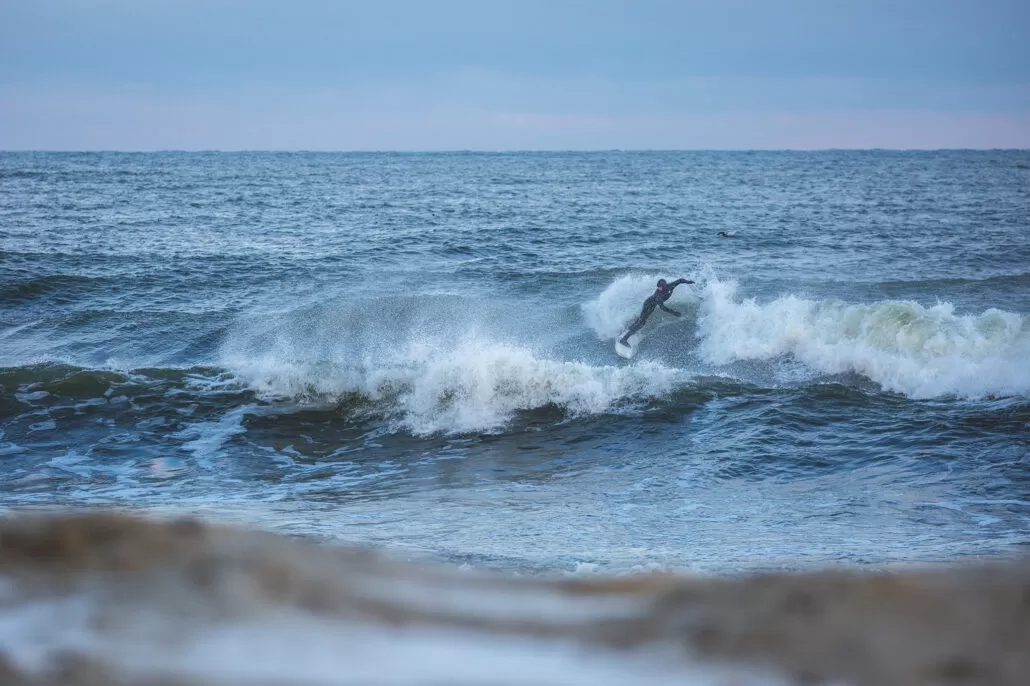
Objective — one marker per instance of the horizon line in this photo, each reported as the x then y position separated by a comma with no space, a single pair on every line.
487,151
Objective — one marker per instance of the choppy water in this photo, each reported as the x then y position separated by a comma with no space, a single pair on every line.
416,351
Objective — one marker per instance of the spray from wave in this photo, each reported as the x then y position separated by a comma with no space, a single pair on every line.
425,380
612,311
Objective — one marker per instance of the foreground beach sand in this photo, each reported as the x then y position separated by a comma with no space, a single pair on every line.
119,599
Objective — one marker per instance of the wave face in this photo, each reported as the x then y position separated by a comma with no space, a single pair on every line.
416,351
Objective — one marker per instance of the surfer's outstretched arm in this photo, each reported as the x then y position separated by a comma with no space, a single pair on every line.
669,310
677,282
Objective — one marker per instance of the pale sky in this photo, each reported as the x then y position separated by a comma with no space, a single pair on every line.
513,74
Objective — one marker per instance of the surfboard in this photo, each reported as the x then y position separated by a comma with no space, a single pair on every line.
627,351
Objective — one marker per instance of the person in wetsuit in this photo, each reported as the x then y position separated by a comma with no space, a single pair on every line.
657,299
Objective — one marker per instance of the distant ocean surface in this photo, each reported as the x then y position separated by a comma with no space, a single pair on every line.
415,351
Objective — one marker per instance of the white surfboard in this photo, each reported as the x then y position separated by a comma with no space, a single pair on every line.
627,351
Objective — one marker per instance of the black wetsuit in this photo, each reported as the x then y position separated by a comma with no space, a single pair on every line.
656,299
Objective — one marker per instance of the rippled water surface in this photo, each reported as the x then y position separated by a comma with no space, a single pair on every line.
416,351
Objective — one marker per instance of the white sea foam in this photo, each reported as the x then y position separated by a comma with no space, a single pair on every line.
474,385
209,438
905,347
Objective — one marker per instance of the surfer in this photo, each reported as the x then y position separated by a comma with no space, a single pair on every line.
656,299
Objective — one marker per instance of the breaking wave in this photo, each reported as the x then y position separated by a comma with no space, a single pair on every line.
414,371
903,346
429,382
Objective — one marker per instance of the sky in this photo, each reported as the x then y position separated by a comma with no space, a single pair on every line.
513,74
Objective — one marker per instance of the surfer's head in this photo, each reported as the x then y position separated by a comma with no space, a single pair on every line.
661,284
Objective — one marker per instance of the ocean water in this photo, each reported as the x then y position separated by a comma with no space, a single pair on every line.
415,352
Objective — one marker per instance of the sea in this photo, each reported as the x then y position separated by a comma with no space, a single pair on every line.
414,352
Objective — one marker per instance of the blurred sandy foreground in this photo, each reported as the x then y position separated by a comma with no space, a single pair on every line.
117,599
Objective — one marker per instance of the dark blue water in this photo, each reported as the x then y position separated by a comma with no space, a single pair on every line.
416,351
